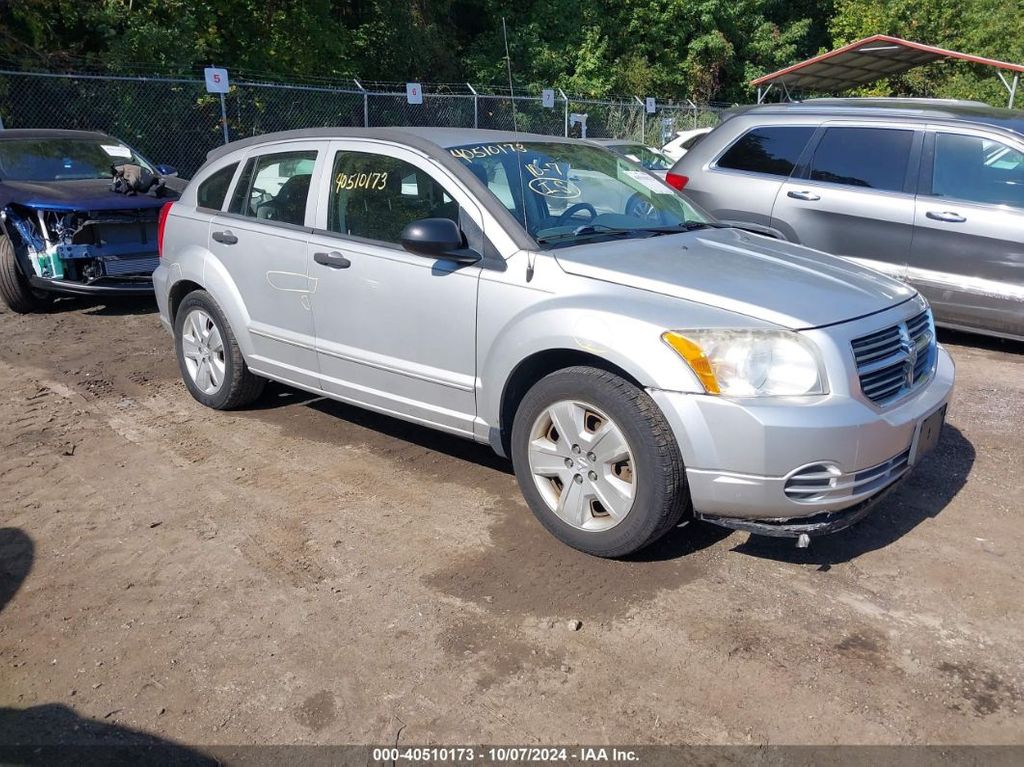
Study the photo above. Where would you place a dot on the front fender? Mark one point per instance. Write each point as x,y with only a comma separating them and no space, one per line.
580,323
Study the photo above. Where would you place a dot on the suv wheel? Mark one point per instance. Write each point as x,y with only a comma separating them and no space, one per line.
597,463
14,286
208,355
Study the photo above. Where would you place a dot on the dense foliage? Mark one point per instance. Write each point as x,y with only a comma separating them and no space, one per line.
699,49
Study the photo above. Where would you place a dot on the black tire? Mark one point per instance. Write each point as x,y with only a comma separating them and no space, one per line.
15,290
662,498
239,386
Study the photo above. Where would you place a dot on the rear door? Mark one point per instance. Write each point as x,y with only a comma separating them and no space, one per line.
261,242
968,253
854,196
741,184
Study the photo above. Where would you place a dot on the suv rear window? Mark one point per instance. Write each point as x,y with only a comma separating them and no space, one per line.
871,157
211,193
768,150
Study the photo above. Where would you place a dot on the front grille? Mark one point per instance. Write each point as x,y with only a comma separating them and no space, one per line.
893,361
825,483
118,266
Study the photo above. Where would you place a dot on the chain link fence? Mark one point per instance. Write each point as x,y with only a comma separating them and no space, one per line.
174,121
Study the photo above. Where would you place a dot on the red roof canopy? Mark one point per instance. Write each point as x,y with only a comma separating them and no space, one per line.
865,61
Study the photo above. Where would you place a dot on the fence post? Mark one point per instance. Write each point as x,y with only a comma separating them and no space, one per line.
695,110
566,100
224,118
643,120
476,105
366,103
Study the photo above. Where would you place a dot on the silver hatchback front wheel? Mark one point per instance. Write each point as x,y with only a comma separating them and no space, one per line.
597,462
582,465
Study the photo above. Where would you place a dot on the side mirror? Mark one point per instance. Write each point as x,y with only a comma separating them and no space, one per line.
167,171
437,238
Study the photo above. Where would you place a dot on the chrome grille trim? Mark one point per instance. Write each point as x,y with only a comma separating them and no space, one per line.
893,361
824,483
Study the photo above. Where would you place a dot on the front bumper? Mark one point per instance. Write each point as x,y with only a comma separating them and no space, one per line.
104,286
741,455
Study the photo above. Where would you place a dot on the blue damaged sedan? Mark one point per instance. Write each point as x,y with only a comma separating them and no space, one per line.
63,229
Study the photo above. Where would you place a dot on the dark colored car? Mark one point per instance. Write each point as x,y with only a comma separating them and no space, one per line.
62,229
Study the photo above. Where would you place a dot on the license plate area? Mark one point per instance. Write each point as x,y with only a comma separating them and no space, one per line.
927,435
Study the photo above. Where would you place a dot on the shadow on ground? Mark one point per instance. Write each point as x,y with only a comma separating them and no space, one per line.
103,306
17,553
55,734
928,489
976,341
348,424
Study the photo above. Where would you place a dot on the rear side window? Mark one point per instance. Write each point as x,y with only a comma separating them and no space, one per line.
978,169
375,196
211,193
768,150
876,158
274,187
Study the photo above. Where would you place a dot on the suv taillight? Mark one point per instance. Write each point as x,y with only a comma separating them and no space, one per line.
676,181
161,223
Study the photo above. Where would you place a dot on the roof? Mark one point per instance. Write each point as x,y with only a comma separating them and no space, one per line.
864,61
38,133
924,109
431,141
422,138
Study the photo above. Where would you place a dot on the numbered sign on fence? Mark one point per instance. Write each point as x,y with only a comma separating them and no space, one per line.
547,98
413,93
216,80
651,105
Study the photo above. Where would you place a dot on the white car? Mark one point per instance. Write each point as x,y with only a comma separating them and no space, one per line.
683,141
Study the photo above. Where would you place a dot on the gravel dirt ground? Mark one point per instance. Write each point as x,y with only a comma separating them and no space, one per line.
306,572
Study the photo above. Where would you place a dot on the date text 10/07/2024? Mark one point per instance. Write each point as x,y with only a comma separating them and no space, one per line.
498,754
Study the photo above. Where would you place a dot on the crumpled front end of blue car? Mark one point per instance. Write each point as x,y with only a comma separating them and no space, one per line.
82,251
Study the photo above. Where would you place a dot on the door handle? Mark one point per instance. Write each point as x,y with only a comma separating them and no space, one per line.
949,216
225,237
809,196
334,259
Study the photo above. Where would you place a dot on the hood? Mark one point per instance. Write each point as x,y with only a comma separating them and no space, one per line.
767,279
89,194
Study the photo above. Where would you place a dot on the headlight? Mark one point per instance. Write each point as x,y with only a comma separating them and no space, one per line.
750,363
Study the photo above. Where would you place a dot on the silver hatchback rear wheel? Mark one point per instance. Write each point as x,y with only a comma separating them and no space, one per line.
203,350
209,357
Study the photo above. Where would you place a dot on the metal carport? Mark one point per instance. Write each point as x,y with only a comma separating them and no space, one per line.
864,61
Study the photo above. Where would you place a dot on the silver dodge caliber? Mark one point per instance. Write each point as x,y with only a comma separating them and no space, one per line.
641,364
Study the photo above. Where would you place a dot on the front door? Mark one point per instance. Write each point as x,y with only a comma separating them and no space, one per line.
968,254
262,241
395,331
856,196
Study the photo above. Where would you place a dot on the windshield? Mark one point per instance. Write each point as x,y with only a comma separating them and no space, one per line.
63,159
649,158
565,193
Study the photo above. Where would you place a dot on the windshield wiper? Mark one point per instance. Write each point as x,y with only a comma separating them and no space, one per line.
602,230
590,230
686,226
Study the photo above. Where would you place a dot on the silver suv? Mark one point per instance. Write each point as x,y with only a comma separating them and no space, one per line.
929,192
640,363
